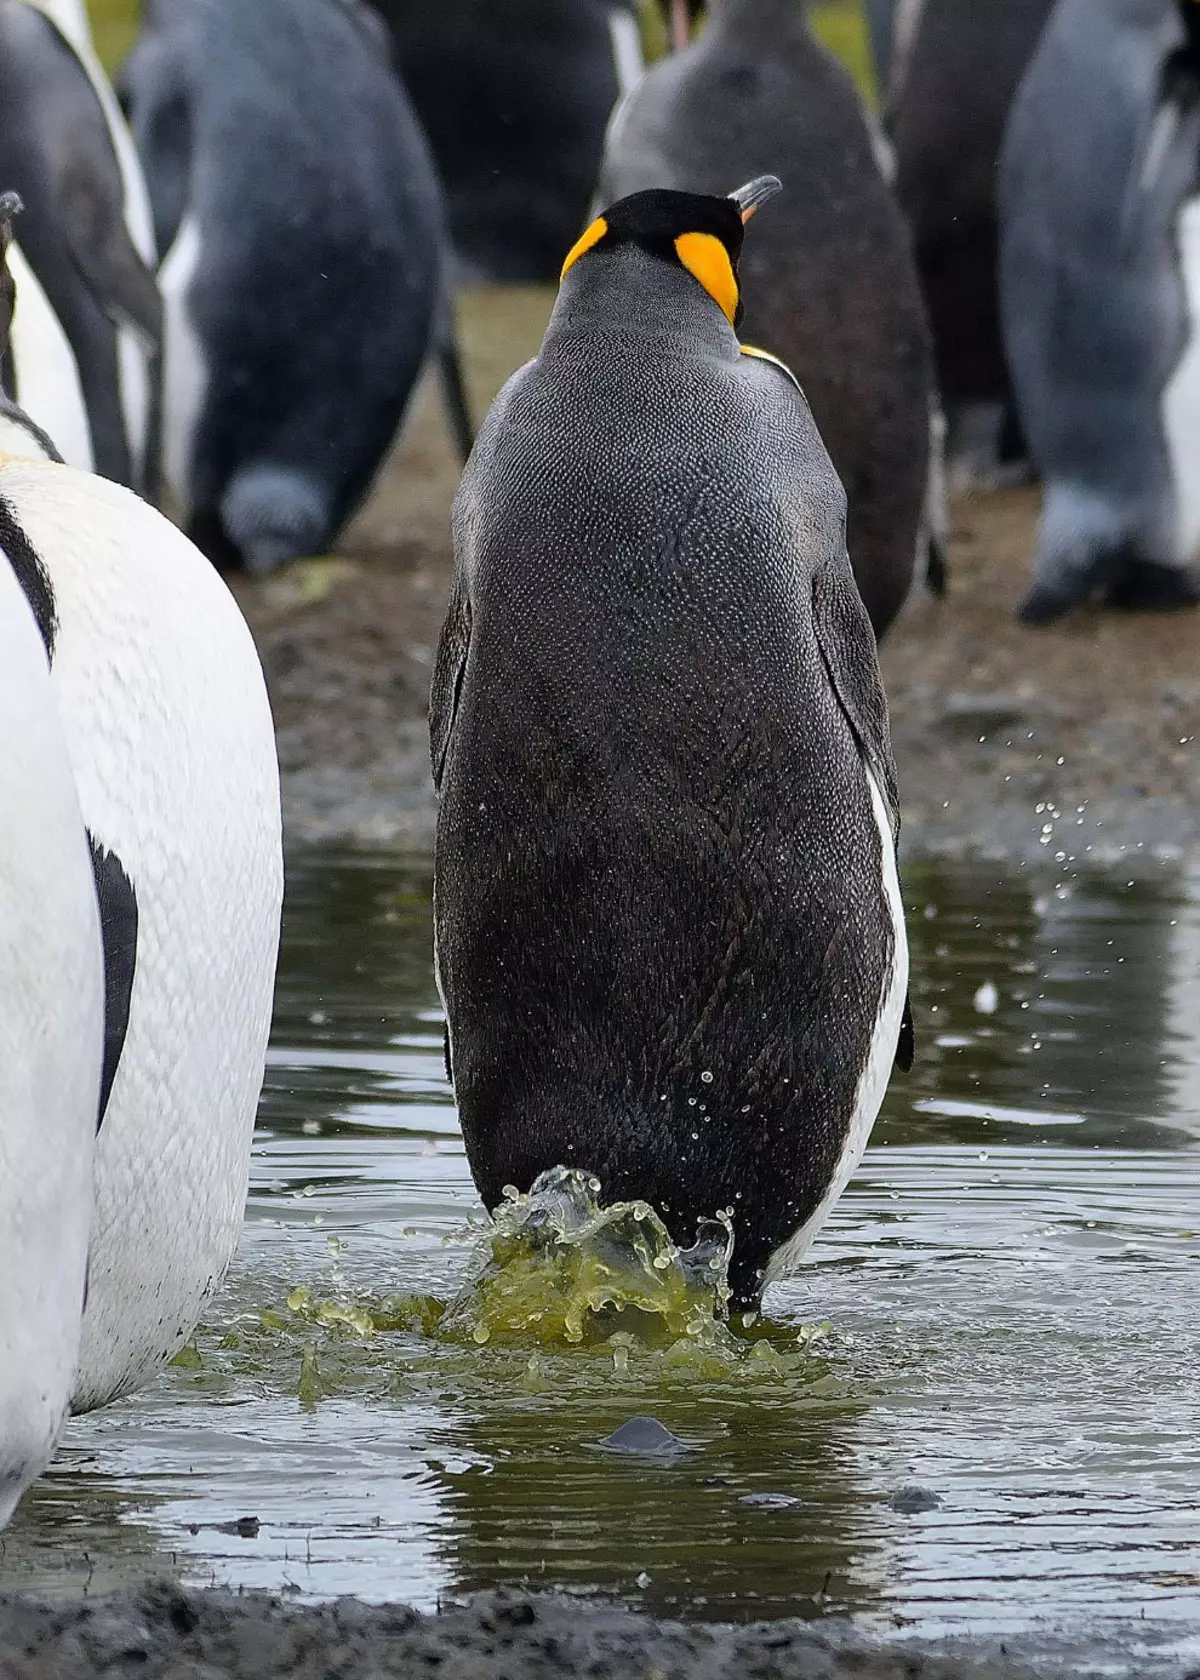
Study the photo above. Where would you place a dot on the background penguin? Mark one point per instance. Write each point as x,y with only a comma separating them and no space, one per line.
1100,290
296,203
668,928
830,280
51,1028
86,334
169,732
952,81
515,95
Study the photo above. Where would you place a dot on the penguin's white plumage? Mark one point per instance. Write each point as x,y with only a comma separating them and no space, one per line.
51,1029
46,371
1181,398
170,735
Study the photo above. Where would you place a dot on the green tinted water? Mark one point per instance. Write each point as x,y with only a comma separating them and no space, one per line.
1011,1287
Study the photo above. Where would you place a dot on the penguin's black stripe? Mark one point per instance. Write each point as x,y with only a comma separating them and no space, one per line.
118,933
31,575
906,1045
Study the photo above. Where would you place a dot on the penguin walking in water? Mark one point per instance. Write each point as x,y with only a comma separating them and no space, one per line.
515,96
165,715
669,934
831,282
84,341
51,1040
1099,198
301,220
948,92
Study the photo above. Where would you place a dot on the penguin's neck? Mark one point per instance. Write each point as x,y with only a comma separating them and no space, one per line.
629,296
766,22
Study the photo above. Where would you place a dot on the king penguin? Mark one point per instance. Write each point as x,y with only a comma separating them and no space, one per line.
85,339
515,95
165,715
668,929
952,80
1099,197
302,223
51,1041
832,285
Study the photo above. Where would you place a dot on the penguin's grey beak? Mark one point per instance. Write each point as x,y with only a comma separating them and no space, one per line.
754,193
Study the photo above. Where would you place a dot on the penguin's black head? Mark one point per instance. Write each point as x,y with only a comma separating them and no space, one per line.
688,230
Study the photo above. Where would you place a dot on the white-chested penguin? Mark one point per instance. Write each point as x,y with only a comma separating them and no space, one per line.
515,95
83,352
668,927
1099,202
302,224
51,1042
166,720
831,283
947,97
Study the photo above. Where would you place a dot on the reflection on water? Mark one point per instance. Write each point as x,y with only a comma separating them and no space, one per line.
1011,1283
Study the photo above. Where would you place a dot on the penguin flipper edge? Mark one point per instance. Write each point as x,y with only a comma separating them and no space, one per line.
449,665
847,645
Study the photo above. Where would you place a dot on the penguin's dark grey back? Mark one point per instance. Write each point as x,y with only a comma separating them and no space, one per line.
514,95
1093,302
654,700
946,110
282,129
57,153
829,281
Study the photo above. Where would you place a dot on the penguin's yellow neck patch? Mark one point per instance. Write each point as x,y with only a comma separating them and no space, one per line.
704,257
586,240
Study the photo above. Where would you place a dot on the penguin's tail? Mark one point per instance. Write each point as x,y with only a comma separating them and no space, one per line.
273,514
454,395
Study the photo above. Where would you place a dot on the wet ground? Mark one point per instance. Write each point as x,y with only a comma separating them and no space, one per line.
993,1441
1011,742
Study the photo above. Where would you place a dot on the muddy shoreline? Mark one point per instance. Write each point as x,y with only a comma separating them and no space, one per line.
166,1630
1012,743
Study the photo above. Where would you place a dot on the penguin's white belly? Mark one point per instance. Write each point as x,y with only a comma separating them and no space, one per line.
1181,399
167,723
876,1075
51,1036
185,368
48,384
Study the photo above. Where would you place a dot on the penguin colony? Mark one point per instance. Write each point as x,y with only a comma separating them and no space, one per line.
669,934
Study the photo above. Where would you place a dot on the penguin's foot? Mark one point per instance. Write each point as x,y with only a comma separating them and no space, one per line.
1147,586
1043,604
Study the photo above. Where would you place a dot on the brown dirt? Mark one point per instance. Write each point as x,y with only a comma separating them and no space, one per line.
348,647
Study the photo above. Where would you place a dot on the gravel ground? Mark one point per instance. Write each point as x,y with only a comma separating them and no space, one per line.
162,1630
1012,742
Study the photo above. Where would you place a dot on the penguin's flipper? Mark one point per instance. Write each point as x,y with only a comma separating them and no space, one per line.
847,645
118,935
106,256
906,1043
448,667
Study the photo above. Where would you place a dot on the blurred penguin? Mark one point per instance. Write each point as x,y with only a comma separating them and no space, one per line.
830,283
515,95
85,339
301,220
952,74
1099,201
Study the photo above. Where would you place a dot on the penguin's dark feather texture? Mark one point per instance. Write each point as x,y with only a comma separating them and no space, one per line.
662,935
827,275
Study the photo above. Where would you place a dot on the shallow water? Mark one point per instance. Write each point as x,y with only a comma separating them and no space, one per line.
1011,1285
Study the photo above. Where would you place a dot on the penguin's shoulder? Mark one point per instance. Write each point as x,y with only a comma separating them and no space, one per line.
775,384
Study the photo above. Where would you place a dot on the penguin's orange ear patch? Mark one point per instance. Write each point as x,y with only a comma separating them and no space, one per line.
586,240
704,257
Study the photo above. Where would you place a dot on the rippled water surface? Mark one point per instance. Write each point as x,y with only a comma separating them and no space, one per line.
1012,1283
